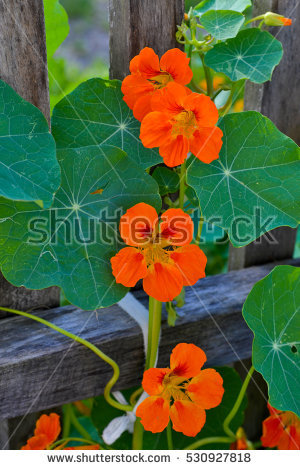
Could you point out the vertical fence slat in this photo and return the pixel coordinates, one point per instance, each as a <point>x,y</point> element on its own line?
<point>279,100</point>
<point>23,65</point>
<point>135,24</point>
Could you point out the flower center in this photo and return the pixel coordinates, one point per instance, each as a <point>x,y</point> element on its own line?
<point>154,253</point>
<point>174,387</point>
<point>184,123</point>
<point>161,80</point>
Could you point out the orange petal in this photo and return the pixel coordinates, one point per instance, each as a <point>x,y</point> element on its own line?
<point>176,63</point>
<point>155,129</point>
<point>138,224</point>
<point>191,262</point>
<point>152,380</point>
<point>154,414</point>
<point>39,442</point>
<point>186,360</point>
<point>206,144</point>
<point>206,389</point>
<point>176,227</point>
<point>170,99</point>
<point>142,107</point>
<point>135,87</point>
<point>204,109</point>
<point>187,417</point>
<point>128,266</point>
<point>272,431</point>
<point>148,64</point>
<point>175,151</point>
<point>48,426</point>
<point>163,282</point>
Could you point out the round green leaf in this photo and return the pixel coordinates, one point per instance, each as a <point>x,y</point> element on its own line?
<point>252,54</point>
<point>56,24</point>
<point>254,186</point>
<point>167,180</point>
<point>70,244</point>
<point>233,5</point>
<point>28,167</point>
<point>222,24</point>
<point>271,311</point>
<point>94,114</point>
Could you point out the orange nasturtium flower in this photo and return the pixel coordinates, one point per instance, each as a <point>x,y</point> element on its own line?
<point>181,393</point>
<point>46,432</point>
<point>182,122</point>
<point>161,255</point>
<point>282,430</point>
<point>149,76</point>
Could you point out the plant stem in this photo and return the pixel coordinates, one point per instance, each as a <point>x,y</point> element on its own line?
<point>256,18</point>
<point>67,409</point>
<point>182,184</point>
<point>237,404</point>
<point>224,109</point>
<point>138,433</point>
<point>85,434</point>
<point>134,396</point>
<point>208,77</point>
<point>92,347</point>
<point>75,439</point>
<point>155,308</point>
<point>208,440</point>
<point>169,436</point>
<point>200,226</point>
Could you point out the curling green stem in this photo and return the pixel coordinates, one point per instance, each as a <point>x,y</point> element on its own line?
<point>208,77</point>
<point>169,436</point>
<point>237,404</point>
<point>92,347</point>
<point>85,434</point>
<point>182,184</point>
<point>75,439</point>
<point>256,18</point>
<point>208,440</point>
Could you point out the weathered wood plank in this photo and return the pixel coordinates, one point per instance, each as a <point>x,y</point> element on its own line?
<point>40,368</point>
<point>279,100</point>
<point>23,65</point>
<point>135,24</point>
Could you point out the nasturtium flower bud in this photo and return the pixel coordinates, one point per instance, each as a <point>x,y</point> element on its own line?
<point>273,19</point>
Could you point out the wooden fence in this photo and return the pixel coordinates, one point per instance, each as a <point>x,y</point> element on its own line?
<point>41,369</point>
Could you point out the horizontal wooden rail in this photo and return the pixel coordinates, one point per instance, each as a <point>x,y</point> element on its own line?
<point>40,368</point>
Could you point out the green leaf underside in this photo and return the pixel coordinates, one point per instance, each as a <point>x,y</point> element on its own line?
<point>222,24</point>
<point>102,415</point>
<point>167,180</point>
<point>56,24</point>
<point>272,312</point>
<point>254,182</point>
<point>233,5</point>
<point>28,167</point>
<point>94,114</point>
<point>80,262</point>
<point>252,54</point>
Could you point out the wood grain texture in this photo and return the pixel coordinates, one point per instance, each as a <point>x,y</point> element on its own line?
<point>135,24</point>
<point>23,65</point>
<point>279,100</point>
<point>40,368</point>
<point>23,54</point>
